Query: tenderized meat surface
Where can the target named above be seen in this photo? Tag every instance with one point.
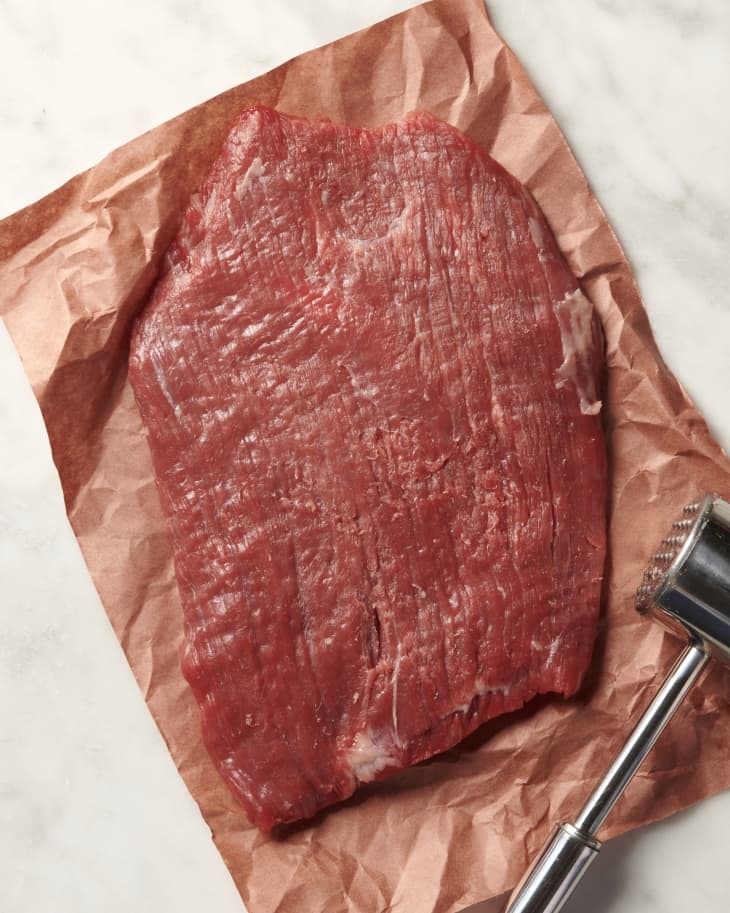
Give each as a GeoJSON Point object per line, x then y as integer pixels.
{"type": "Point", "coordinates": [370, 387]}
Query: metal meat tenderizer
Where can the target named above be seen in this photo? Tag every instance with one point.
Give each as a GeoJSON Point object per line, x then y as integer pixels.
{"type": "Point", "coordinates": [687, 588]}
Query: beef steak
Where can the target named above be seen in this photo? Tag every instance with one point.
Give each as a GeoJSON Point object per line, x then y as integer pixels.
{"type": "Point", "coordinates": [369, 381]}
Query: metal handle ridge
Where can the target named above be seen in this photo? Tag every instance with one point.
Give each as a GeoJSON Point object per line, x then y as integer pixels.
{"type": "Point", "coordinates": [552, 878]}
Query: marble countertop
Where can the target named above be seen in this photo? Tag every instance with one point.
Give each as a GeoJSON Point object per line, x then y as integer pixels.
{"type": "Point", "coordinates": [92, 813]}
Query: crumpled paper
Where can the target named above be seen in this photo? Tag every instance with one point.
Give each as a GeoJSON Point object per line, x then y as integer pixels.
{"type": "Point", "coordinates": [74, 270]}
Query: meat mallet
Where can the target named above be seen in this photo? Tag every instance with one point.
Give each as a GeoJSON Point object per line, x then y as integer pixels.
{"type": "Point", "coordinates": [686, 587]}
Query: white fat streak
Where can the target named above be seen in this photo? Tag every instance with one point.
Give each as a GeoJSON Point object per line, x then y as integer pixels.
{"type": "Point", "coordinates": [254, 171]}
{"type": "Point", "coordinates": [396, 673]}
{"type": "Point", "coordinates": [536, 232]}
{"type": "Point", "coordinates": [552, 653]}
{"type": "Point", "coordinates": [482, 690]}
{"type": "Point", "coordinates": [366, 758]}
{"type": "Point", "coordinates": [552, 648]}
{"type": "Point", "coordinates": [575, 319]}
{"type": "Point", "coordinates": [160, 375]}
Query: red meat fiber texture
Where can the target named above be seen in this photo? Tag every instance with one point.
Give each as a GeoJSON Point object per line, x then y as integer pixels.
{"type": "Point", "coordinates": [369, 381]}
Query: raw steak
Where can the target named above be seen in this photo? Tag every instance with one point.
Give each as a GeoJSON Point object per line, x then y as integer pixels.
{"type": "Point", "coordinates": [369, 382]}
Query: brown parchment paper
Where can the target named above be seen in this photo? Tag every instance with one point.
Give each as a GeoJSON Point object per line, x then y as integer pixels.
{"type": "Point", "coordinates": [75, 268]}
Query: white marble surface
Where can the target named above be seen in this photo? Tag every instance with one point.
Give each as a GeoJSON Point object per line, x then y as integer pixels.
{"type": "Point", "coordinates": [92, 814]}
